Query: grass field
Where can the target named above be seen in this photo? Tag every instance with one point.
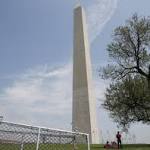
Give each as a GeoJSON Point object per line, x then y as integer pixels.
{"type": "Point", "coordinates": [41, 147]}
{"type": "Point", "coordinates": [68, 147]}
{"type": "Point", "coordinates": [125, 147]}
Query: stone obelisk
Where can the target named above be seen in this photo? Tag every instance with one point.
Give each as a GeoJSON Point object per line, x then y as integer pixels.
{"type": "Point", "coordinates": [84, 102]}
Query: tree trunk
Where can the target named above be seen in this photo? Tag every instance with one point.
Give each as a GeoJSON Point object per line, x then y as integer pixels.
{"type": "Point", "coordinates": [149, 84]}
{"type": "Point", "coordinates": [149, 79]}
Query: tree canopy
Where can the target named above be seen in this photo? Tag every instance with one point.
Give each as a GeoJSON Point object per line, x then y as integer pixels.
{"type": "Point", "coordinates": [128, 96]}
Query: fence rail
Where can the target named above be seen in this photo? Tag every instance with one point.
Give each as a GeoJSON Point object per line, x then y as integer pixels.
{"type": "Point", "coordinates": [23, 137]}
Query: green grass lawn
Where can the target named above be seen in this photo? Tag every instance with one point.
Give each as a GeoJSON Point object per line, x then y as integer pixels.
{"type": "Point", "coordinates": [42, 147]}
{"type": "Point", "coordinates": [68, 147]}
{"type": "Point", "coordinates": [125, 147]}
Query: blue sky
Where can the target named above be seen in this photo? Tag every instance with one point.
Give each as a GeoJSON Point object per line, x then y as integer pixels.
{"type": "Point", "coordinates": [36, 38]}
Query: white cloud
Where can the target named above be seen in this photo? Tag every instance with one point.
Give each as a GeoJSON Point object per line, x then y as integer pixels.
{"type": "Point", "coordinates": [43, 96]}
{"type": "Point", "coordinates": [41, 91]}
{"type": "Point", "coordinates": [99, 12]}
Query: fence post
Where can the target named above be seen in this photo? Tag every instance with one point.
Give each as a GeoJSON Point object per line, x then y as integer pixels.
{"type": "Point", "coordinates": [88, 140]}
{"type": "Point", "coordinates": [74, 143]}
{"type": "Point", "coordinates": [38, 139]}
{"type": "Point", "coordinates": [21, 146]}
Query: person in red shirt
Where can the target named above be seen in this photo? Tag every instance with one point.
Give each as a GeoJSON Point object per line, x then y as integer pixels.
{"type": "Point", "coordinates": [118, 136]}
{"type": "Point", "coordinates": [107, 145]}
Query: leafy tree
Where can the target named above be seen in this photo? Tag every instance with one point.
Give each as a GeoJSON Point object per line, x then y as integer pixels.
{"type": "Point", "coordinates": [128, 97]}
{"type": "Point", "coordinates": [128, 101]}
{"type": "Point", "coordinates": [130, 50]}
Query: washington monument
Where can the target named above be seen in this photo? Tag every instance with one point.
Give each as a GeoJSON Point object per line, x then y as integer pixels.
{"type": "Point", "coordinates": [84, 101]}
